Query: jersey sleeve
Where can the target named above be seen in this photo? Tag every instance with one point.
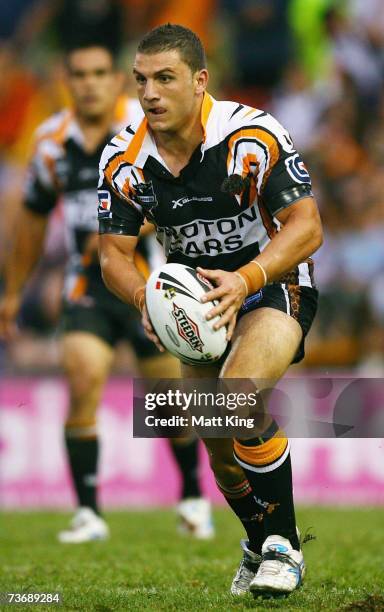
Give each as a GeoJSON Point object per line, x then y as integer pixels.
{"type": "Point", "coordinates": [287, 181]}
{"type": "Point", "coordinates": [266, 150]}
{"type": "Point", "coordinates": [40, 194]}
{"type": "Point", "coordinates": [117, 212]}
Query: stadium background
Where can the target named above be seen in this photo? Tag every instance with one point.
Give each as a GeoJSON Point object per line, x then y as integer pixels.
{"type": "Point", "coordinates": [318, 66]}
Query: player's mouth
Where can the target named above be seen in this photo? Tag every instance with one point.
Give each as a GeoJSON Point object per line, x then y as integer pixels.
{"type": "Point", "coordinates": [90, 99]}
{"type": "Point", "coordinates": [156, 111]}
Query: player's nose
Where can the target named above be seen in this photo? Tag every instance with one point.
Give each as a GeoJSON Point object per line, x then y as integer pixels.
{"type": "Point", "coordinates": [150, 92]}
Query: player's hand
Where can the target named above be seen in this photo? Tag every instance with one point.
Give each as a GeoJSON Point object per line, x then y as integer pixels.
{"type": "Point", "coordinates": [9, 308]}
{"type": "Point", "coordinates": [231, 293]}
{"type": "Point", "coordinates": [148, 329]}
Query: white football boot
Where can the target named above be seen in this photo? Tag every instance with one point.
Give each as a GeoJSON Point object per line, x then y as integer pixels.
{"type": "Point", "coordinates": [85, 526]}
{"type": "Point", "coordinates": [248, 568]}
{"type": "Point", "coordinates": [282, 568]}
{"type": "Point", "coordinates": [195, 518]}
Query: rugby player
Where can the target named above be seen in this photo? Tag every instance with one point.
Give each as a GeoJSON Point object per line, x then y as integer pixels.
{"type": "Point", "coordinates": [248, 222]}
{"type": "Point", "coordinates": [64, 168]}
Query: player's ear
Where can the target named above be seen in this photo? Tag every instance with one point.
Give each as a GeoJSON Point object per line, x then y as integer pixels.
{"type": "Point", "coordinates": [201, 80]}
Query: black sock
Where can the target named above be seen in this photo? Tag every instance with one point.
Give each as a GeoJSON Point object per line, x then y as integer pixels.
{"type": "Point", "coordinates": [242, 501]}
{"type": "Point", "coordinates": [83, 457]}
{"type": "Point", "coordinates": [186, 456]}
{"type": "Point", "coordinates": [273, 492]}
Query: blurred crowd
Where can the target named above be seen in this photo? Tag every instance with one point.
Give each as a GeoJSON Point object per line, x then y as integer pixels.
{"type": "Point", "coordinates": [317, 65]}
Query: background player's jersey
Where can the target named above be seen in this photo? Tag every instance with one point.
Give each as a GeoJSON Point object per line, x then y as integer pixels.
{"type": "Point", "coordinates": [61, 171]}
{"type": "Point", "coordinates": [197, 222]}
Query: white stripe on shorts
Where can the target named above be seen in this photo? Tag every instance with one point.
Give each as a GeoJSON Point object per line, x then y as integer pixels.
{"type": "Point", "coordinates": [284, 288]}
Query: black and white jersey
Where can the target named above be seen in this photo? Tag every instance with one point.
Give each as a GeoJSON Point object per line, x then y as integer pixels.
{"type": "Point", "coordinates": [197, 221]}
{"type": "Point", "coordinates": [61, 171]}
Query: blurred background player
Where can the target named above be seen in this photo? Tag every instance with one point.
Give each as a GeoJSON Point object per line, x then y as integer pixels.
{"type": "Point", "coordinates": [64, 171]}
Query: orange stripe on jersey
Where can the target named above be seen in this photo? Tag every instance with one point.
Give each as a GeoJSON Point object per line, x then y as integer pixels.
{"type": "Point", "coordinates": [50, 164]}
{"type": "Point", "coordinates": [134, 147]}
{"type": "Point", "coordinates": [206, 108]}
{"type": "Point", "coordinates": [260, 135]}
{"type": "Point", "coordinates": [127, 185]}
{"type": "Point", "coordinates": [141, 174]}
{"type": "Point", "coordinates": [59, 134]}
{"type": "Point", "coordinates": [111, 166]}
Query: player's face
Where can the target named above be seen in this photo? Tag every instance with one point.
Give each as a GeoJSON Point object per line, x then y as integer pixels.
{"type": "Point", "coordinates": [92, 81]}
{"type": "Point", "coordinates": [168, 90]}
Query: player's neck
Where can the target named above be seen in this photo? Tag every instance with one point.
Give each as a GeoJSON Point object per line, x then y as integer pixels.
{"type": "Point", "coordinates": [94, 129]}
{"type": "Point", "coordinates": [176, 147]}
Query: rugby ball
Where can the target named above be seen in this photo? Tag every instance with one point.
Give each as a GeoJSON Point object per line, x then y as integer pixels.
{"type": "Point", "coordinates": [172, 296]}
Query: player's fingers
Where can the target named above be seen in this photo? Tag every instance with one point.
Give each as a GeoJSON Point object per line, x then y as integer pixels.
{"type": "Point", "coordinates": [214, 294]}
{"type": "Point", "coordinates": [152, 336]}
{"type": "Point", "coordinates": [220, 308]}
{"type": "Point", "coordinates": [225, 317]}
{"type": "Point", "coordinates": [231, 327]}
{"type": "Point", "coordinates": [210, 274]}
{"type": "Point", "coordinates": [149, 331]}
{"type": "Point", "coordinates": [145, 320]}
{"type": "Point", "coordinates": [160, 347]}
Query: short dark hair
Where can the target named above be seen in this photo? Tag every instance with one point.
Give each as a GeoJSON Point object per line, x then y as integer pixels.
{"type": "Point", "coordinates": [170, 36]}
{"type": "Point", "coordinates": [82, 45]}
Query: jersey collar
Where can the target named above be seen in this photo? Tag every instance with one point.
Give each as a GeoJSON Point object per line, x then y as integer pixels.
{"type": "Point", "coordinates": [143, 144]}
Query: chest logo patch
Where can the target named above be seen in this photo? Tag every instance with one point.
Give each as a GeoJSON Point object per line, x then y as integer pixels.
{"type": "Point", "coordinates": [145, 196]}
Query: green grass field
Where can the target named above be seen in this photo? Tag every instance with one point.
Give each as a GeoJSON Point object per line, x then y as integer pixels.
{"type": "Point", "coordinates": [147, 566]}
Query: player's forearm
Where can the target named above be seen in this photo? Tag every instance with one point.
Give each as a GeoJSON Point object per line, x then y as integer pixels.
{"type": "Point", "coordinates": [300, 236]}
{"type": "Point", "coordinates": [121, 277]}
{"type": "Point", "coordinates": [25, 251]}
{"type": "Point", "coordinates": [293, 244]}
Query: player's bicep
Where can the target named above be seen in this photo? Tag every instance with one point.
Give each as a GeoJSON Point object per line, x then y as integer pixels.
{"type": "Point", "coordinates": [303, 209]}
{"type": "Point", "coordinates": [115, 247]}
{"type": "Point", "coordinates": [303, 218]}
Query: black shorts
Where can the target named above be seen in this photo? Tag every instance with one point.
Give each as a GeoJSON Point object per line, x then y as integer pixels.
{"type": "Point", "coordinates": [295, 300]}
{"type": "Point", "coordinates": [108, 319]}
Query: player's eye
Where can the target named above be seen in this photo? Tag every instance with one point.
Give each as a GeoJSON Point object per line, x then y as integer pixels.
{"type": "Point", "coordinates": [77, 74]}
{"type": "Point", "coordinates": [140, 79]}
{"type": "Point", "coordinates": [164, 78]}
